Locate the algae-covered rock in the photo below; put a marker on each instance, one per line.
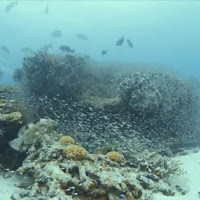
(32, 133)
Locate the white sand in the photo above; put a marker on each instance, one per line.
(191, 163)
(7, 187)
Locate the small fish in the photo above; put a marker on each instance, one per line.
(46, 47)
(27, 51)
(46, 10)
(66, 49)
(104, 52)
(120, 41)
(56, 34)
(82, 36)
(130, 44)
(5, 49)
(10, 6)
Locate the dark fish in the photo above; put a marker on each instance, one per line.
(82, 36)
(66, 49)
(46, 10)
(27, 51)
(104, 52)
(56, 34)
(46, 47)
(5, 49)
(10, 6)
(120, 41)
(130, 44)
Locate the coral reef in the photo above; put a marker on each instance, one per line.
(66, 140)
(95, 177)
(40, 71)
(148, 109)
(163, 103)
(115, 156)
(32, 133)
(76, 152)
(13, 115)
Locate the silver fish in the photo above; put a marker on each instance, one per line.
(10, 6)
(82, 36)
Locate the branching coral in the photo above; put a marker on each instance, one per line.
(115, 156)
(66, 140)
(76, 152)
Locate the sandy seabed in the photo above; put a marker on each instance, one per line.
(191, 164)
(191, 180)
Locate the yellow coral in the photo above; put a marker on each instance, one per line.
(65, 140)
(76, 152)
(115, 156)
(10, 117)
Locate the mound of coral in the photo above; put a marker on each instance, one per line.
(56, 175)
(128, 114)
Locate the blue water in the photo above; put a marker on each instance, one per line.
(164, 33)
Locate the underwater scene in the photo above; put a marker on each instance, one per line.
(99, 100)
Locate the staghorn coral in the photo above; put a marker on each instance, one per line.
(76, 152)
(66, 140)
(115, 156)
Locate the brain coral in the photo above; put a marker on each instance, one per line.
(76, 152)
(115, 156)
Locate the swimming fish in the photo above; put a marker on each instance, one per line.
(46, 10)
(10, 6)
(56, 34)
(66, 49)
(82, 36)
(120, 41)
(130, 44)
(5, 49)
(104, 52)
(46, 47)
(27, 51)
